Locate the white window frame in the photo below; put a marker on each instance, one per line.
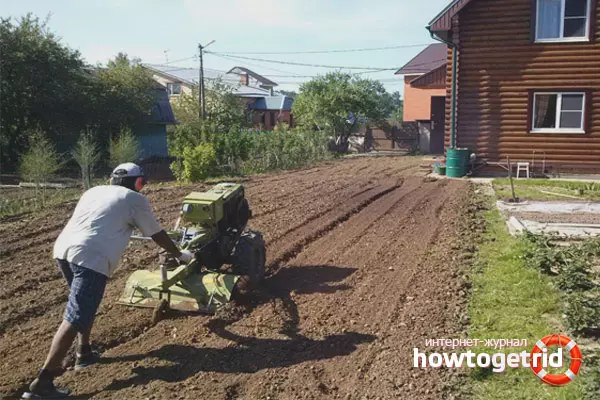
(561, 39)
(581, 129)
(170, 84)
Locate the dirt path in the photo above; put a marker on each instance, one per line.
(365, 263)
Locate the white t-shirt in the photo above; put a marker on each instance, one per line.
(98, 232)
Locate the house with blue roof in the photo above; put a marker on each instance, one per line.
(267, 107)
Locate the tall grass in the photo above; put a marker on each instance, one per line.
(284, 150)
(247, 151)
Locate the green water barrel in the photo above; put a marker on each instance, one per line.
(457, 162)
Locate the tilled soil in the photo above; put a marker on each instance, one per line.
(365, 261)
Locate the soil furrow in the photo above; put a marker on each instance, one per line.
(363, 269)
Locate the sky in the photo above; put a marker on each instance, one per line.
(159, 30)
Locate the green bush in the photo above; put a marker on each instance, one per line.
(582, 311)
(286, 149)
(241, 151)
(198, 162)
(39, 163)
(86, 154)
(233, 149)
(572, 268)
(124, 148)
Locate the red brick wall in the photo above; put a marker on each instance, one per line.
(417, 102)
(262, 119)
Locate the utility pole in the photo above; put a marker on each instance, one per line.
(201, 97)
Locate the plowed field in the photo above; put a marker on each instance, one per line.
(365, 258)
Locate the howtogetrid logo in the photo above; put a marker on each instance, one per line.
(569, 344)
(539, 359)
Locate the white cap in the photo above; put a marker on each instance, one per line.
(128, 169)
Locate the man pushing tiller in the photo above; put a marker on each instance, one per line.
(87, 252)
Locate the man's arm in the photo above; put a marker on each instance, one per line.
(163, 240)
(146, 222)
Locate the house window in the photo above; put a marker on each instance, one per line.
(558, 112)
(562, 20)
(174, 89)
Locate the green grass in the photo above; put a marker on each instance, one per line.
(23, 200)
(512, 301)
(532, 189)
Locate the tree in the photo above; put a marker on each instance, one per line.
(226, 113)
(223, 108)
(124, 148)
(45, 85)
(86, 154)
(41, 84)
(289, 93)
(40, 162)
(395, 107)
(125, 92)
(338, 103)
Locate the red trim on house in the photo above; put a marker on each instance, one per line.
(533, 20)
(593, 20)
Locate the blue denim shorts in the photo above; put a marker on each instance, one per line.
(86, 292)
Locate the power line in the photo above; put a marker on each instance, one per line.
(251, 64)
(327, 51)
(181, 59)
(303, 64)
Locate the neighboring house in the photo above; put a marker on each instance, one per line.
(152, 135)
(257, 90)
(425, 95)
(269, 111)
(527, 81)
(152, 131)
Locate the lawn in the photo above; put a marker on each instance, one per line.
(545, 189)
(508, 301)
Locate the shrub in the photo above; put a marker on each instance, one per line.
(247, 151)
(198, 162)
(124, 148)
(86, 154)
(582, 311)
(285, 149)
(233, 149)
(39, 163)
(572, 267)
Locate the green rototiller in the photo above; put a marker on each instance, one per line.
(212, 225)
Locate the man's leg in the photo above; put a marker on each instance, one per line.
(63, 339)
(85, 356)
(84, 339)
(87, 289)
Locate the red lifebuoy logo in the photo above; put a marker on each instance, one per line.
(562, 341)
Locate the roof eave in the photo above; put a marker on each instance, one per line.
(441, 13)
(173, 77)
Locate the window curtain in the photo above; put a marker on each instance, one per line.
(548, 19)
(545, 111)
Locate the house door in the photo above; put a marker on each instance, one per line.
(438, 124)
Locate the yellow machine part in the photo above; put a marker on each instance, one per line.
(204, 292)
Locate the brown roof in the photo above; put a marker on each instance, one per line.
(429, 59)
(434, 79)
(256, 76)
(443, 21)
